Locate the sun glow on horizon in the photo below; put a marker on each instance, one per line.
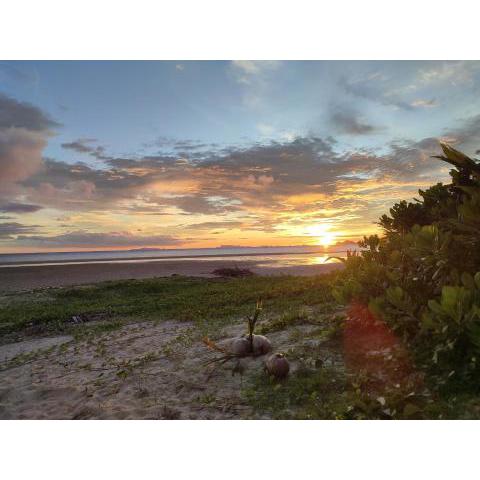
(322, 232)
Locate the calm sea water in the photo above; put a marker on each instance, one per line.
(277, 255)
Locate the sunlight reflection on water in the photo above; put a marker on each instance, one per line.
(278, 260)
(291, 260)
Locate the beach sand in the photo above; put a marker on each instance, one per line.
(40, 276)
(146, 370)
(142, 371)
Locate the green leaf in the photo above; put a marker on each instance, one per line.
(395, 295)
(410, 410)
(476, 278)
(467, 280)
(435, 307)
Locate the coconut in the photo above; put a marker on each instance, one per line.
(239, 346)
(261, 345)
(277, 365)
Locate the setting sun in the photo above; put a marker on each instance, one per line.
(324, 236)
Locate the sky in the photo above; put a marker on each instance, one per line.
(116, 155)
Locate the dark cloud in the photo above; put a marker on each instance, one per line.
(349, 123)
(84, 145)
(80, 146)
(20, 156)
(15, 114)
(259, 176)
(24, 130)
(13, 207)
(83, 239)
(9, 229)
(215, 225)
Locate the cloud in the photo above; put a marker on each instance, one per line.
(373, 89)
(83, 145)
(24, 130)
(13, 207)
(249, 71)
(83, 239)
(255, 76)
(229, 224)
(268, 177)
(453, 73)
(265, 129)
(80, 145)
(20, 155)
(349, 123)
(15, 114)
(422, 103)
(9, 229)
(398, 83)
(467, 136)
(277, 186)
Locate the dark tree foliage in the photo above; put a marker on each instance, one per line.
(423, 276)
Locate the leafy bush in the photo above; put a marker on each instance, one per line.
(422, 277)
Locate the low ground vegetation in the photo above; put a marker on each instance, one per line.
(394, 335)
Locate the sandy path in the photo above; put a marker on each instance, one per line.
(142, 371)
(28, 278)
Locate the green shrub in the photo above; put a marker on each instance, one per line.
(422, 276)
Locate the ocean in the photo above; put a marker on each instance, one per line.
(281, 256)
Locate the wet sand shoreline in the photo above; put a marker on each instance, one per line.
(13, 279)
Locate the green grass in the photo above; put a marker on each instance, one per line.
(315, 390)
(309, 394)
(207, 302)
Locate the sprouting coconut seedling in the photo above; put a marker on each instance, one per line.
(256, 344)
(213, 346)
(244, 346)
(252, 321)
(224, 358)
(227, 355)
(249, 343)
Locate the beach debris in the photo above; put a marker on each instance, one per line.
(233, 272)
(244, 346)
(213, 346)
(226, 353)
(88, 317)
(277, 365)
